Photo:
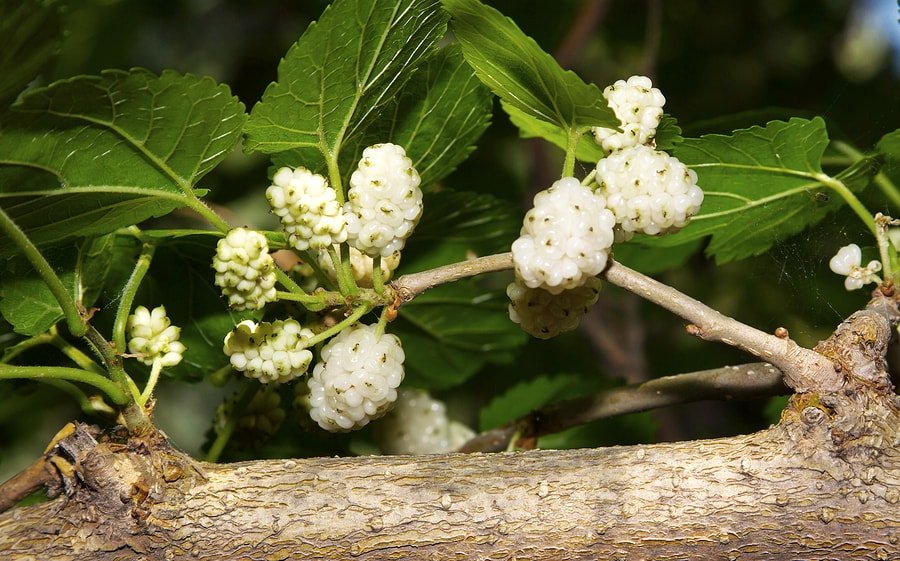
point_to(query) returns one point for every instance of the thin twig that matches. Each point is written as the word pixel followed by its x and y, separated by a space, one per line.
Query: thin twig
pixel 805 370
pixel 744 382
pixel 38 474
pixel 411 285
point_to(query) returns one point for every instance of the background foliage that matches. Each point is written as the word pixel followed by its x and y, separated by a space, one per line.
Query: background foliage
pixel 763 55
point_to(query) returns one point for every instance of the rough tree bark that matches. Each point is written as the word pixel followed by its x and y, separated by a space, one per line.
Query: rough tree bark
pixel 822 484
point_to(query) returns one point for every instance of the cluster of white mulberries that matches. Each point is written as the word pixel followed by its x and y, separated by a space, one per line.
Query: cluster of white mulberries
pixel 565 237
pixel 384 202
pixel 848 262
pixel 362 266
pixel 357 379
pixel 418 424
pixel 269 352
pixel 545 315
pixel 244 269
pixel 258 420
pixel 638 105
pixel 308 208
pixel 647 190
pixel 153 337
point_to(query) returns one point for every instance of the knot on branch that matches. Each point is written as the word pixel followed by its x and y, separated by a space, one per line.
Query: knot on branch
pixel 858 348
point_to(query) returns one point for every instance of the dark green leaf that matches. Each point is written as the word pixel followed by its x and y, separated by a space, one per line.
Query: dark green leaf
pixel 450 332
pixel 521 73
pixel 525 397
pixel 761 185
pixel 668 133
pixel 482 223
pixel 889 145
pixel 121 147
pixel 27 303
pixel 646 256
pixel 343 70
pixel 441 115
pixel 32 35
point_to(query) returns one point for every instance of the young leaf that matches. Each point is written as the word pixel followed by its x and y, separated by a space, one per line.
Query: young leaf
pixel 450 332
pixel 31 34
pixel 123 147
pixel 889 145
pixel 341 72
pixel 521 73
pixel 531 127
pixel 761 185
pixel 531 395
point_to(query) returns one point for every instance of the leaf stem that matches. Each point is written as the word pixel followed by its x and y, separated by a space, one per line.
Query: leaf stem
pixel 852 201
pixel 377 276
pixel 84 402
pixel 22 346
pixel 74 353
pixel 74 320
pixel 102 383
pixel 128 293
pixel 884 182
pixel 334 174
pixel 209 214
pixel 886 250
pixel 569 163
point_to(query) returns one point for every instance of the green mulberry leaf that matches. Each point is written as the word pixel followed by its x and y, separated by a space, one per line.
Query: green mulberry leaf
pixel 95 153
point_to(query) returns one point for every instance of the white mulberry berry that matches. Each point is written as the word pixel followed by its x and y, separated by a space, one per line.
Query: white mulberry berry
pixel 565 238
pixel 418 424
pixel 244 269
pixel 848 261
pixel 357 379
pixel 362 266
pixel 544 315
pixel 269 352
pixel 638 105
pixel 152 336
pixel 648 191
pixel 308 208
pixel 384 202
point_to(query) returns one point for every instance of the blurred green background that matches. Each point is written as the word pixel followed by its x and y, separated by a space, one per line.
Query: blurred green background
pixel 759 59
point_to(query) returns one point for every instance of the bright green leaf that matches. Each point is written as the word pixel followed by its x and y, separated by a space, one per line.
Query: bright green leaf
pixel 32 34
pixel 761 185
pixel 450 332
pixel 587 150
pixel 521 73
pixel 344 69
pixel 112 149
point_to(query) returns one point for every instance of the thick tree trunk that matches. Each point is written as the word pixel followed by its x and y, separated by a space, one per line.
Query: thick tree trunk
pixel 785 493
pixel 823 484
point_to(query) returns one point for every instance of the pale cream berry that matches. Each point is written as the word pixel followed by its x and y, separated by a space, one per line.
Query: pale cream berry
pixel 565 239
pixel 269 352
pixel 848 262
pixel 418 424
pixel 153 337
pixel 362 266
pixel 308 208
pixel 384 202
pixel 244 269
pixel 545 315
pixel 357 379
pixel 638 105
pixel 648 191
